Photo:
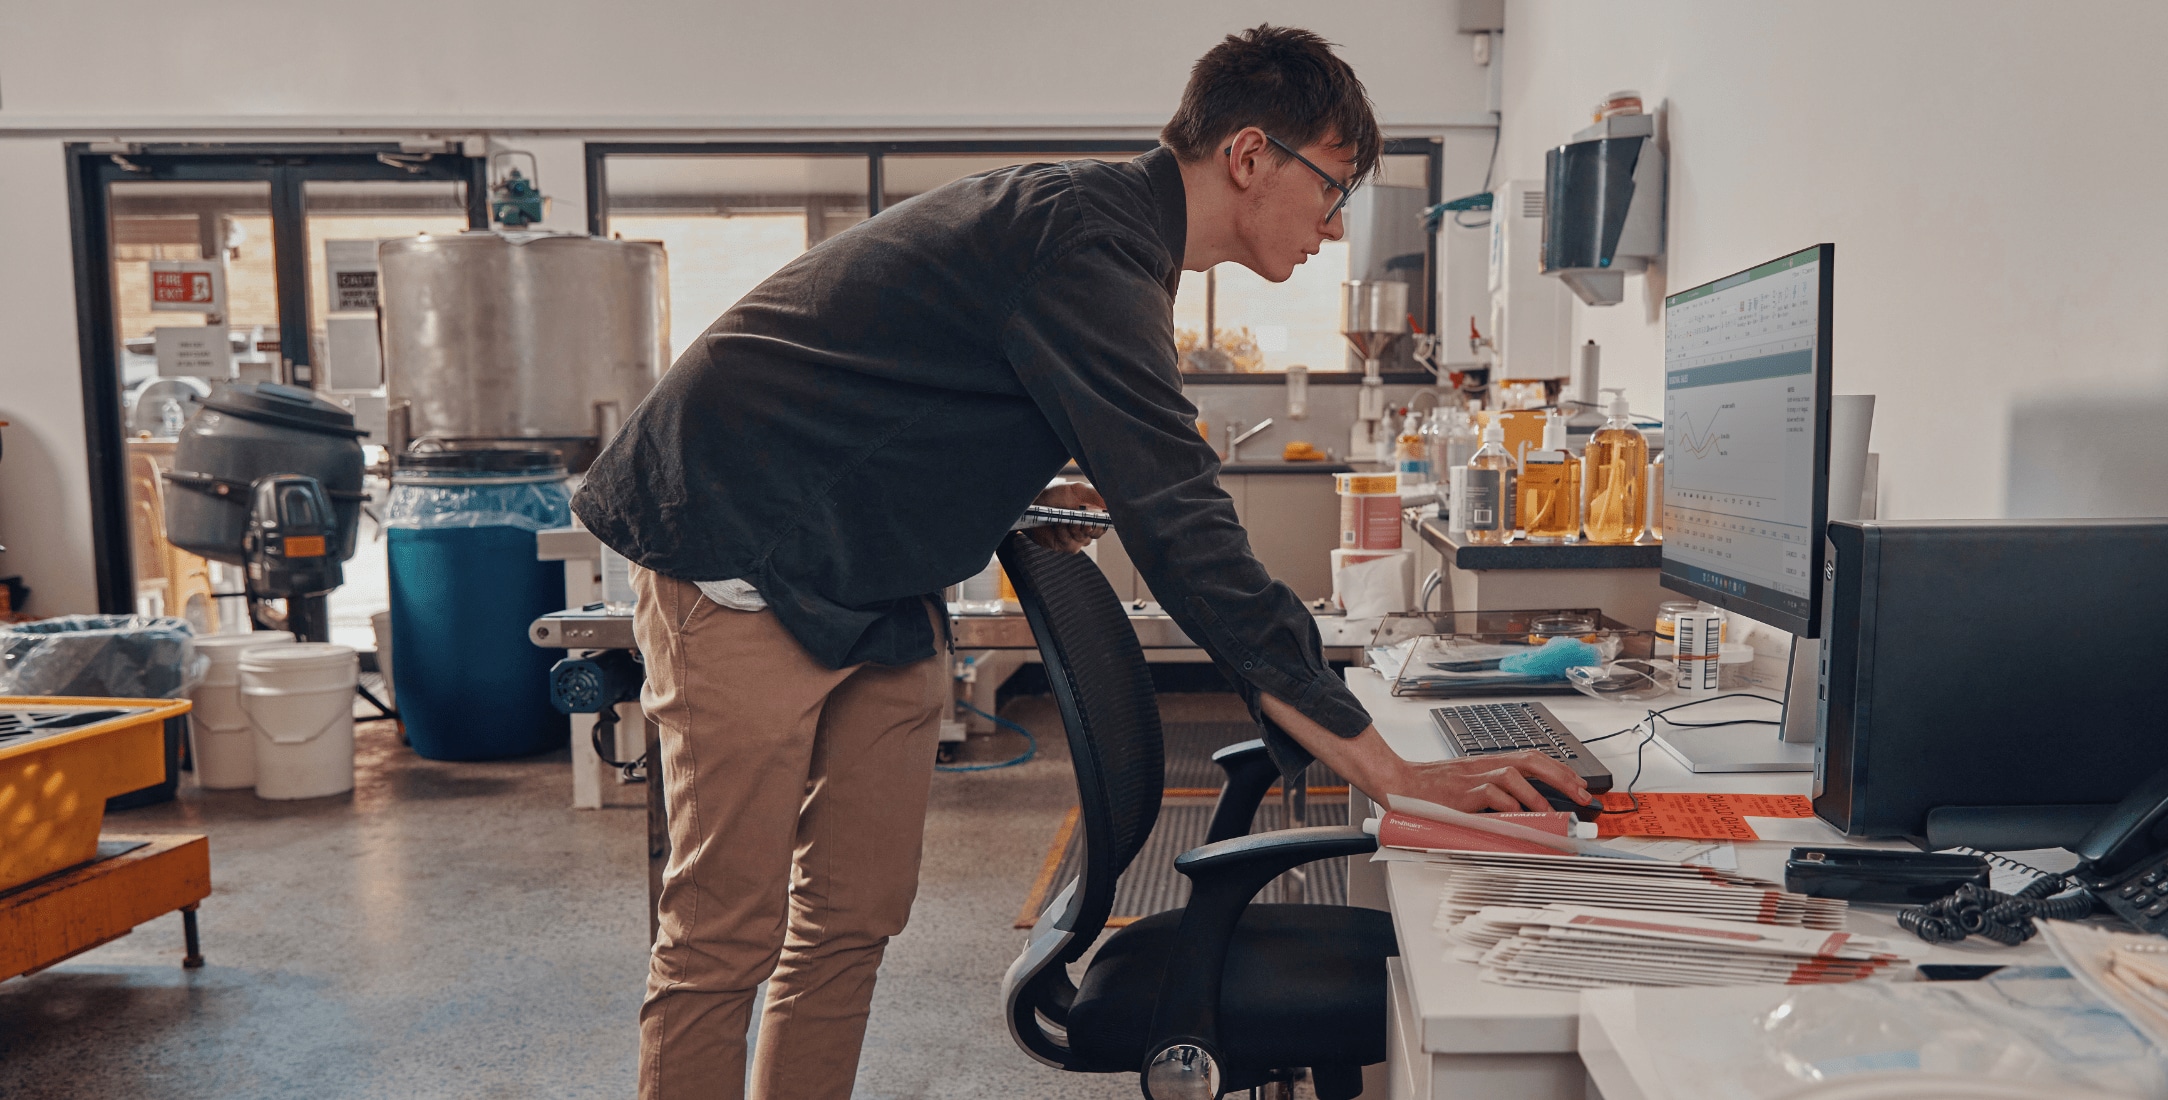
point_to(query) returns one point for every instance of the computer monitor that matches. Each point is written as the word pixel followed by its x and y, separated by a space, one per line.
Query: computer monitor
pixel 1746 440
pixel 1746 477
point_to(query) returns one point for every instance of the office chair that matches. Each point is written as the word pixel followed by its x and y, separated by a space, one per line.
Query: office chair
pixel 1219 995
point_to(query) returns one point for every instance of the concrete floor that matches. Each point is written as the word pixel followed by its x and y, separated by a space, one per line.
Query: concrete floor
pixel 454 930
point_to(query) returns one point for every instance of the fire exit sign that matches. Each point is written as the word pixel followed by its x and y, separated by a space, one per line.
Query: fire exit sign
pixel 189 286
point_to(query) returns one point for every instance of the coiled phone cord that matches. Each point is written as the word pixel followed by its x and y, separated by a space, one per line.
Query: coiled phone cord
pixel 2005 918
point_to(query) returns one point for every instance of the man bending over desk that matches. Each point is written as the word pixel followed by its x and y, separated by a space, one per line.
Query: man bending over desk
pixel 857 434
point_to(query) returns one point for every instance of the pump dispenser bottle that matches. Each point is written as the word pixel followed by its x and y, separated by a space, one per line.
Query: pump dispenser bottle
pixel 1461 439
pixel 1490 481
pixel 1549 493
pixel 1618 464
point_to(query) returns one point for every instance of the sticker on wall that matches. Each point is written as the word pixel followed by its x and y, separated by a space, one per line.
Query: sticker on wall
pixel 194 351
pixel 350 273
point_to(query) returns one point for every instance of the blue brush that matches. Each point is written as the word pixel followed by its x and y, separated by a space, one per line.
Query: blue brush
pixel 1552 661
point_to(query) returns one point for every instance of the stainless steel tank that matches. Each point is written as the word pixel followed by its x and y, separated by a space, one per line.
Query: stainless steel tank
pixel 494 338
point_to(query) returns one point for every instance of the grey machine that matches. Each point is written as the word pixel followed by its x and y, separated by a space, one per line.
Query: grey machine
pixel 269 477
pixel 520 339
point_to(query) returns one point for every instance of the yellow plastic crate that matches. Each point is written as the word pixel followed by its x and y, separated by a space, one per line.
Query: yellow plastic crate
pixel 60 759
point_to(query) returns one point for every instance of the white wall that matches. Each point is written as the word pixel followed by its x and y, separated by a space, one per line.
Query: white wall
pixel 44 473
pixel 810 62
pixel 546 76
pixel 1990 172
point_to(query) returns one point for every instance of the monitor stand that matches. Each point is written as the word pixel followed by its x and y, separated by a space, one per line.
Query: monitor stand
pixel 1749 748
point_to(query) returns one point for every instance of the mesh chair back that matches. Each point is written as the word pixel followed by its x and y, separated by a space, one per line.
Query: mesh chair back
pixel 1100 680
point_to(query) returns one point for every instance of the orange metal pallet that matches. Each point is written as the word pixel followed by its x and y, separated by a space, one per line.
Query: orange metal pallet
pixel 69 912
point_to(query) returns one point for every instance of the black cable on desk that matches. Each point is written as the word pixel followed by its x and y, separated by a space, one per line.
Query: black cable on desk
pixel 2005 918
pixel 1656 716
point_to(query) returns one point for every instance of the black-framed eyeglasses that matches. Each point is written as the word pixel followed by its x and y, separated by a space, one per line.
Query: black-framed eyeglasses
pixel 1347 191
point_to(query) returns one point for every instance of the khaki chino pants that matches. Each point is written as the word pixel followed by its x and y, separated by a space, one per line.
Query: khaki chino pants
pixel 797 801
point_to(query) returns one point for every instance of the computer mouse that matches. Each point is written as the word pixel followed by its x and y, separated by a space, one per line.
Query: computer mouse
pixel 1586 811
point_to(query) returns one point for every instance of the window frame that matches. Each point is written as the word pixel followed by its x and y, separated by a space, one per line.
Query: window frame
pixel 598 193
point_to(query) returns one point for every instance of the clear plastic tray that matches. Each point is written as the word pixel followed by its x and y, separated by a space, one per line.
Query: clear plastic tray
pixel 1454 653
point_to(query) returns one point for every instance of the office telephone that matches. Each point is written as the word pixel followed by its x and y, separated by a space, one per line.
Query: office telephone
pixel 2123 865
pixel 2126 857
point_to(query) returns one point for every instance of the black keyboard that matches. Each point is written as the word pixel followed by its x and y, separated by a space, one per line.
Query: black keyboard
pixel 1474 729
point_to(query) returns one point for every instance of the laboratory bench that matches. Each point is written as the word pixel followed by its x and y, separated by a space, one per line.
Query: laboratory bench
pixel 1283 466
pixel 995 644
pixel 598 628
pixel 1451 1034
pixel 1622 580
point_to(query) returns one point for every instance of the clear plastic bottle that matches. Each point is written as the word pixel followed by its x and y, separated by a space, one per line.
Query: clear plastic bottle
pixel 1548 493
pixel 1489 480
pixel 1618 460
pixel 1434 427
pixel 1411 459
pixel 1461 439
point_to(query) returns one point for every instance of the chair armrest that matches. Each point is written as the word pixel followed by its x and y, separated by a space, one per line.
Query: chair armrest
pixel 1223 878
pixel 1250 773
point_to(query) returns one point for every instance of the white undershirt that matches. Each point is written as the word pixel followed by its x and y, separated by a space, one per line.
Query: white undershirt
pixel 735 594
pixel 738 594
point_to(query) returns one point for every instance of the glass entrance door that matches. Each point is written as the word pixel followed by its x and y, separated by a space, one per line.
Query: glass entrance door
pixel 205 266
pixel 194 287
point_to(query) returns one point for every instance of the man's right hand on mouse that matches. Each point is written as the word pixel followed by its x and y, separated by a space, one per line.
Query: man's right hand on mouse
pixel 1473 784
pixel 1470 784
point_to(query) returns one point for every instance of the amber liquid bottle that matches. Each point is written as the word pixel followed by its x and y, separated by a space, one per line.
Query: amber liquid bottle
pixel 1549 506
pixel 1618 466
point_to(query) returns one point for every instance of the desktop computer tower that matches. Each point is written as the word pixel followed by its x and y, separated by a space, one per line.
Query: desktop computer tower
pixel 1992 684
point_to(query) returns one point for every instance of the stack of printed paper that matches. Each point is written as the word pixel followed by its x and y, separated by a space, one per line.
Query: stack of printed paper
pixel 1579 947
pixel 1479 879
pixel 2125 969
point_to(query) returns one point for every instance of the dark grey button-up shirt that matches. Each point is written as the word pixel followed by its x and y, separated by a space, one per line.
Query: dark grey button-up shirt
pixel 863 428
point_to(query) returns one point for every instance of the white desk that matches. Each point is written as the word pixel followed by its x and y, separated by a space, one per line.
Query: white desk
pixel 1455 1035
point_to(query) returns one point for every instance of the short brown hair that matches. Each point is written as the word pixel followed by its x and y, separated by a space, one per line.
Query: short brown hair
pixel 1284 81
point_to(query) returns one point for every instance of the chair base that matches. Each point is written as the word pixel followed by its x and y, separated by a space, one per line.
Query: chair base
pixel 1304 986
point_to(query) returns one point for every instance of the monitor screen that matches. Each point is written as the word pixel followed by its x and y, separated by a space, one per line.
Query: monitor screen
pixel 1746 440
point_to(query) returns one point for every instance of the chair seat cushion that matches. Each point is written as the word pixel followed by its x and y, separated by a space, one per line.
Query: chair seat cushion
pixel 1304 986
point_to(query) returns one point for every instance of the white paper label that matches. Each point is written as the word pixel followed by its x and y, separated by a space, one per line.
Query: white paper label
pixel 193 351
pixel 356 363
pixel 350 273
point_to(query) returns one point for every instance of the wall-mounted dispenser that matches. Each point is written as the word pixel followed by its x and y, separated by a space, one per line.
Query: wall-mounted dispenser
pixel 1604 207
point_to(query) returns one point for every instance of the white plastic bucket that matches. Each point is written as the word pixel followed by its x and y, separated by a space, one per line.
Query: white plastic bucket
pixel 300 705
pixel 223 748
pixel 381 624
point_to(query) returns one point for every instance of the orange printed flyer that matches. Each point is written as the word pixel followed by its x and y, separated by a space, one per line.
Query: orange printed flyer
pixel 1694 816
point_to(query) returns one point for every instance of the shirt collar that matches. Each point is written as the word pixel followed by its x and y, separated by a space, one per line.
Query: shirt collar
pixel 1163 174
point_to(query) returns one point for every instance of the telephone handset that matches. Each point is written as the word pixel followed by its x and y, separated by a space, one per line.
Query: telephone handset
pixel 2126 857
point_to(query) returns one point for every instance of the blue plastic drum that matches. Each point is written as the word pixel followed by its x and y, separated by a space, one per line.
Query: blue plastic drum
pixel 464 587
